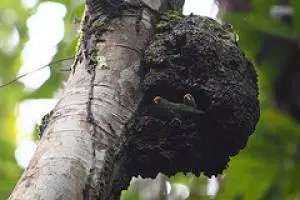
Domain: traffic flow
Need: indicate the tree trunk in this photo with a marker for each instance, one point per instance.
(73, 160)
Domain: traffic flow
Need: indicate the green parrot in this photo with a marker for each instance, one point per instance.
(168, 110)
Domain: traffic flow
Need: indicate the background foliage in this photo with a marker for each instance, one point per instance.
(269, 166)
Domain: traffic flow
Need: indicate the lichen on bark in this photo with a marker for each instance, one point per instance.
(194, 55)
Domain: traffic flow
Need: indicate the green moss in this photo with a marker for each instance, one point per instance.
(170, 15)
(99, 25)
(77, 48)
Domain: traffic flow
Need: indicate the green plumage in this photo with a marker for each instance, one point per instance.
(165, 109)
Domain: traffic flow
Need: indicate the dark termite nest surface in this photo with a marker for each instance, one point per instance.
(195, 55)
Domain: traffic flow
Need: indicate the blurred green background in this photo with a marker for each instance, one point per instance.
(269, 33)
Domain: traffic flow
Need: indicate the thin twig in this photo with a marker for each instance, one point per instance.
(38, 69)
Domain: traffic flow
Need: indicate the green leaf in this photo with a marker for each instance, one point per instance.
(248, 178)
(296, 16)
(262, 7)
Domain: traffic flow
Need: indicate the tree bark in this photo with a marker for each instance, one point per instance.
(73, 159)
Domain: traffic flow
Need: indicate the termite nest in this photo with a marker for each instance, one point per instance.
(195, 55)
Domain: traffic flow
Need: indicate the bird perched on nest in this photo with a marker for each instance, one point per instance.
(170, 109)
